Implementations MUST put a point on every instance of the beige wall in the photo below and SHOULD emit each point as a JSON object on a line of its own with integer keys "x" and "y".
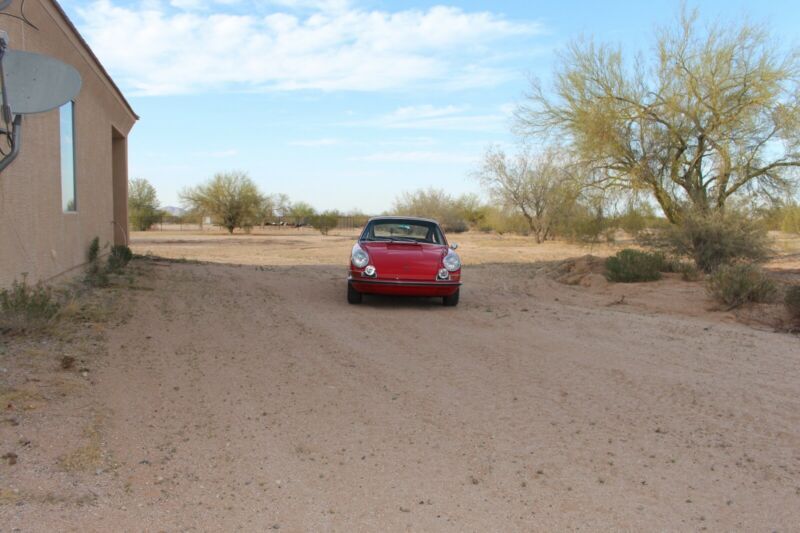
{"x": 36, "y": 236}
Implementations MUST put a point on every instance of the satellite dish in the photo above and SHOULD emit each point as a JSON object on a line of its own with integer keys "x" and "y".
{"x": 36, "y": 83}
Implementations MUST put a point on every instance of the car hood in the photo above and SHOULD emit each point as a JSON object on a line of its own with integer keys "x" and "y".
{"x": 413, "y": 261}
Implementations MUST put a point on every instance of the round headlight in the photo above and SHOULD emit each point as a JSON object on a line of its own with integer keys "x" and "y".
{"x": 451, "y": 261}
{"x": 443, "y": 273}
{"x": 369, "y": 271}
{"x": 359, "y": 258}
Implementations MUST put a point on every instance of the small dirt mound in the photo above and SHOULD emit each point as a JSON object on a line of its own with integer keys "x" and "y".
{"x": 587, "y": 271}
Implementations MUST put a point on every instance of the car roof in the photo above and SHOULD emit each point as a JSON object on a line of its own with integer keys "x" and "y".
{"x": 397, "y": 217}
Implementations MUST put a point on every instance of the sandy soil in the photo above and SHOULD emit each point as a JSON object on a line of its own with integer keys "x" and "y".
{"x": 224, "y": 397}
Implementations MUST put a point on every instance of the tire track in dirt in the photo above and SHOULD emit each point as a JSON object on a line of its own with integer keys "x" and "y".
{"x": 250, "y": 397}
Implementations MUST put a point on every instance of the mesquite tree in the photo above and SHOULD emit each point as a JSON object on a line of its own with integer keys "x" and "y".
{"x": 712, "y": 113}
{"x": 540, "y": 186}
{"x": 231, "y": 198}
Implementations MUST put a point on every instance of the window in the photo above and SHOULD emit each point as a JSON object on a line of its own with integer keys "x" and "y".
{"x": 403, "y": 230}
{"x": 67, "y": 126}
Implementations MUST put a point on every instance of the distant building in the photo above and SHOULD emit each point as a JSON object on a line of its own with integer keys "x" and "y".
{"x": 70, "y": 180}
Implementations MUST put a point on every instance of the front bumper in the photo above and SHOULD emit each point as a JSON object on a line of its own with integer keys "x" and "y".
{"x": 404, "y": 287}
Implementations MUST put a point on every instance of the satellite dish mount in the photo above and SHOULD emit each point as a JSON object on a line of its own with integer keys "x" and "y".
{"x": 14, "y": 135}
{"x": 29, "y": 83}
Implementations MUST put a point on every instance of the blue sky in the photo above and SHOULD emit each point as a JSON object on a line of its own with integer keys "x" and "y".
{"x": 344, "y": 104}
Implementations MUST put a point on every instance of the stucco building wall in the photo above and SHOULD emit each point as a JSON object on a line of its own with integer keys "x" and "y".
{"x": 36, "y": 236}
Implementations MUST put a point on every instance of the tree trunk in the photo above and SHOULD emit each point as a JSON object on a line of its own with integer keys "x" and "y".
{"x": 671, "y": 211}
{"x": 537, "y": 232}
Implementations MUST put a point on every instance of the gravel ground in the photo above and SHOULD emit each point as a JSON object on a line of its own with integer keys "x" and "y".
{"x": 253, "y": 397}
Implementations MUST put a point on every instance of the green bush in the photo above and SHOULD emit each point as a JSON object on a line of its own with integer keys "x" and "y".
{"x": 632, "y": 221}
{"x": 93, "y": 253}
{"x": 438, "y": 205}
{"x": 143, "y": 209}
{"x": 470, "y": 210}
{"x": 454, "y": 224}
{"x": 585, "y": 226}
{"x": 676, "y": 265}
{"x": 688, "y": 271}
{"x": 629, "y": 266}
{"x": 96, "y": 274}
{"x": 504, "y": 221}
{"x": 119, "y": 257}
{"x": 792, "y": 301}
{"x": 325, "y": 221}
{"x": 735, "y": 285}
{"x": 26, "y": 307}
{"x": 638, "y": 218}
{"x": 790, "y": 219}
{"x": 713, "y": 240}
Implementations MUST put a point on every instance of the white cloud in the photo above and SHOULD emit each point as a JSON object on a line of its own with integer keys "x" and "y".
{"x": 207, "y": 45}
{"x": 422, "y": 112}
{"x": 322, "y": 5}
{"x": 429, "y": 117}
{"x": 508, "y": 108}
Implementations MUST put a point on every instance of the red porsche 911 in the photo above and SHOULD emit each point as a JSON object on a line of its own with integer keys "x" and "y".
{"x": 404, "y": 256}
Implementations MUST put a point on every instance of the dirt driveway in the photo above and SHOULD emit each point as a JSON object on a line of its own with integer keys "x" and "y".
{"x": 249, "y": 398}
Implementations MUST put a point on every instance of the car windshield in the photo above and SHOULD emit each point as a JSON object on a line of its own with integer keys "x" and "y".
{"x": 403, "y": 231}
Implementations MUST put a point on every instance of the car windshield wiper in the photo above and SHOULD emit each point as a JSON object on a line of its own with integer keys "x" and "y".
{"x": 390, "y": 240}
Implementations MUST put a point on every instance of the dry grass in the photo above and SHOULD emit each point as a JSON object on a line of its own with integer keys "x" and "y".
{"x": 88, "y": 457}
{"x": 28, "y": 400}
{"x": 304, "y": 246}
{"x": 9, "y": 496}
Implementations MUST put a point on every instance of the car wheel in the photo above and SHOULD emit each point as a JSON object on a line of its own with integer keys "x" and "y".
{"x": 451, "y": 300}
{"x": 353, "y": 296}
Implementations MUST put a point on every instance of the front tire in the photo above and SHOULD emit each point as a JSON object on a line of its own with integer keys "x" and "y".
{"x": 452, "y": 300}
{"x": 353, "y": 296}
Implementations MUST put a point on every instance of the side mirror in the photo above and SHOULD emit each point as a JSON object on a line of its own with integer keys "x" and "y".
{"x": 454, "y": 245}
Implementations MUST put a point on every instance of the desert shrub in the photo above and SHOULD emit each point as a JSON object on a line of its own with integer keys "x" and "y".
{"x": 454, "y": 224}
{"x": 639, "y": 218}
{"x": 735, "y": 285}
{"x": 780, "y": 217}
{"x": 790, "y": 219}
{"x": 96, "y": 273}
{"x": 93, "y": 253}
{"x": 325, "y": 221}
{"x": 25, "y": 307}
{"x": 792, "y": 301}
{"x": 585, "y": 227}
{"x": 713, "y": 240}
{"x": 669, "y": 264}
{"x": 629, "y": 266}
{"x": 632, "y": 220}
{"x": 230, "y": 198}
{"x": 435, "y": 204}
{"x": 678, "y": 265}
{"x": 537, "y": 185}
{"x": 119, "y": 257}
{"x": 470, "y": 209}
{"x": 770, "y": 216}
{"x": 687, "y": 270}
{"x": 504, "y": 221}
{"x": 143, "y": 209}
